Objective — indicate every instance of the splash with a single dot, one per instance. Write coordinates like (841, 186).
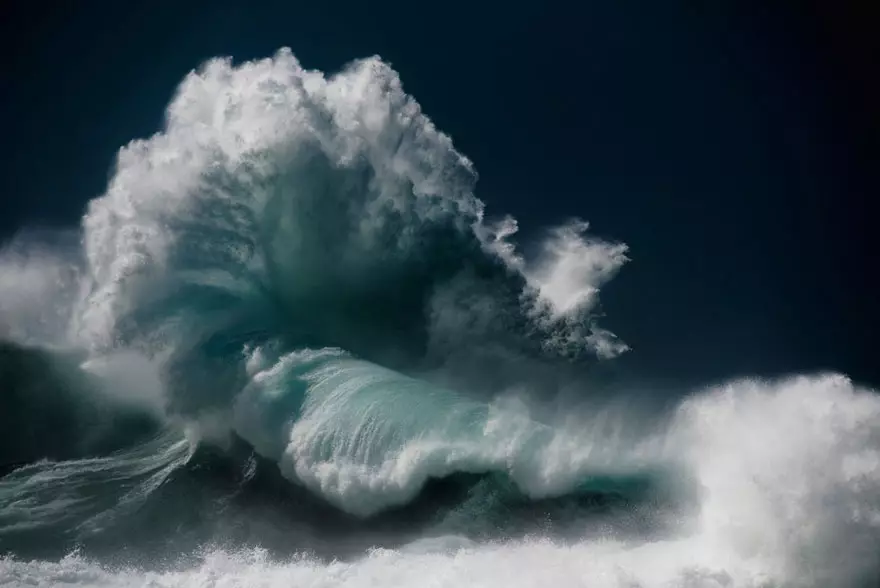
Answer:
(336, 202)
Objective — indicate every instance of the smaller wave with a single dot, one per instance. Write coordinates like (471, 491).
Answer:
(367, 438)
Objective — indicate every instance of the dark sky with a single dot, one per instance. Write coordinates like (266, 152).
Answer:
(732, 145)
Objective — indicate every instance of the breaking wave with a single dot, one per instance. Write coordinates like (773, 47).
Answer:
(289, 329)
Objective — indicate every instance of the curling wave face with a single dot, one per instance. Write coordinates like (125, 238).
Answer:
(283, 209)
(294, 293)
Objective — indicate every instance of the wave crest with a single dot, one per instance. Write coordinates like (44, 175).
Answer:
(336, 203)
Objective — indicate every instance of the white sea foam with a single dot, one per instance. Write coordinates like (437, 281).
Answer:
(789, 474)
(270, 176)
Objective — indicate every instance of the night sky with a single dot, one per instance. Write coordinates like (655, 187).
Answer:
(733, 146)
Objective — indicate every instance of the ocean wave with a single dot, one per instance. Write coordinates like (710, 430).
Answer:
(331, 208)
(368, 438)
(280, 208)
(295, 286)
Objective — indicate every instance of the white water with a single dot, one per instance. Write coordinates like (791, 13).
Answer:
(321, 191)
(790, 479)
